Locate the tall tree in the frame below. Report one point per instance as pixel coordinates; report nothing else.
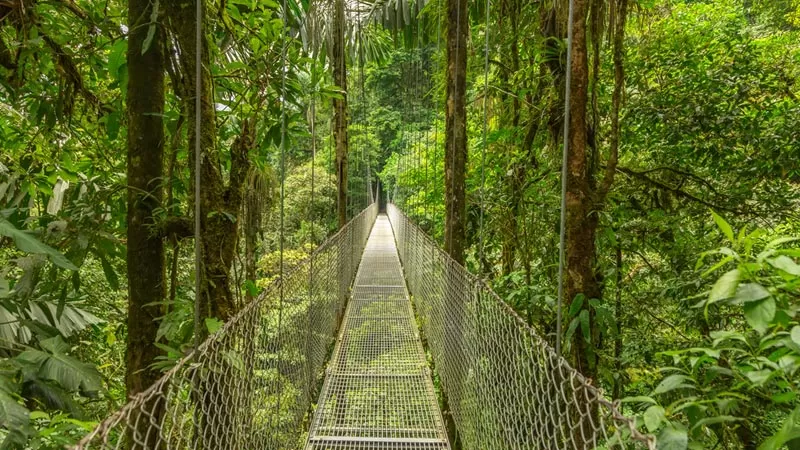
(586, 192)
(220, 201)
(456, 130)
(146, 286)
(339, 61)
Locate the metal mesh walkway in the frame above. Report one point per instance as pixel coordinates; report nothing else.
(378, 392)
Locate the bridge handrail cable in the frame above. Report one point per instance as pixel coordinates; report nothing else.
(506, 387)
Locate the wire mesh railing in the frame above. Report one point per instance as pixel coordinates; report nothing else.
(506, 387)
(251, 384)
(378, 392)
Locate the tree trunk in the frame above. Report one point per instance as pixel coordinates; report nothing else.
(581, 219)
(456, 130)
(339, 61)
(221, 208)
(219, 203)
(455, 188)
(146, 288)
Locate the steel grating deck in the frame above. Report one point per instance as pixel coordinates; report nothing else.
(378, 393)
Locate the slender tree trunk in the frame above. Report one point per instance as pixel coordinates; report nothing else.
(146, 262)
(456, 130)
(582, 220)
(455, 187)
(339, 61)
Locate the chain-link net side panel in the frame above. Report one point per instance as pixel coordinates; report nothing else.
(251, 384)
(506, 387)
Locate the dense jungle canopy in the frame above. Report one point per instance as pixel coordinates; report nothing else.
(681, 293)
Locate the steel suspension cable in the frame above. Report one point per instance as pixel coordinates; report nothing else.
(311, 222)
(364, 118)
(282, 281)
(198, 158)
(483, 147)
(436, 115)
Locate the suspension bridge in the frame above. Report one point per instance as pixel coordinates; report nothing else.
(331, 356)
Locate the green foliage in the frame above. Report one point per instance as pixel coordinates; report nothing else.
(748, 361)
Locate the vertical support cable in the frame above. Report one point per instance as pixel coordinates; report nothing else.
(309, 326)
(483, 148)
(564, 159)
(284, 69)
(282, 280)
(198, 252)
(436, 116)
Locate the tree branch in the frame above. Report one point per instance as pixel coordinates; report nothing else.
(176, 227)
(683, 194)
(684, 173)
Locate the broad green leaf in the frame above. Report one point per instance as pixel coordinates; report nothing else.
(576, 305)
(780, 241)
(760, 313)
(784, 397)
(585, 329)
(110, 273)
(725, 287)
(796, 334)
(66, 371)
(785, 264)
(639, 399)
(759, 377)
(14, 418)
(213, 325)
(27, 243)
(673, 382)
(151, 29)
(116, 57)
(4, 287)
(653, 417)
(672, 438)
(714, 420)
(789, 431)
(723, 226)
(751, 292)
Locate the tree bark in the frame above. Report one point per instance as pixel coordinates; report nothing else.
(582, 220)
(146, 287)
(456, 130)
(339, 61)
(455, 189)
(221, 207)
(221, 204)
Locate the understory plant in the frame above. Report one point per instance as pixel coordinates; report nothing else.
(738, 387)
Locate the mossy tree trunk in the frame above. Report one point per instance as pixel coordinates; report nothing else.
(456, 130)
(221, 207)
